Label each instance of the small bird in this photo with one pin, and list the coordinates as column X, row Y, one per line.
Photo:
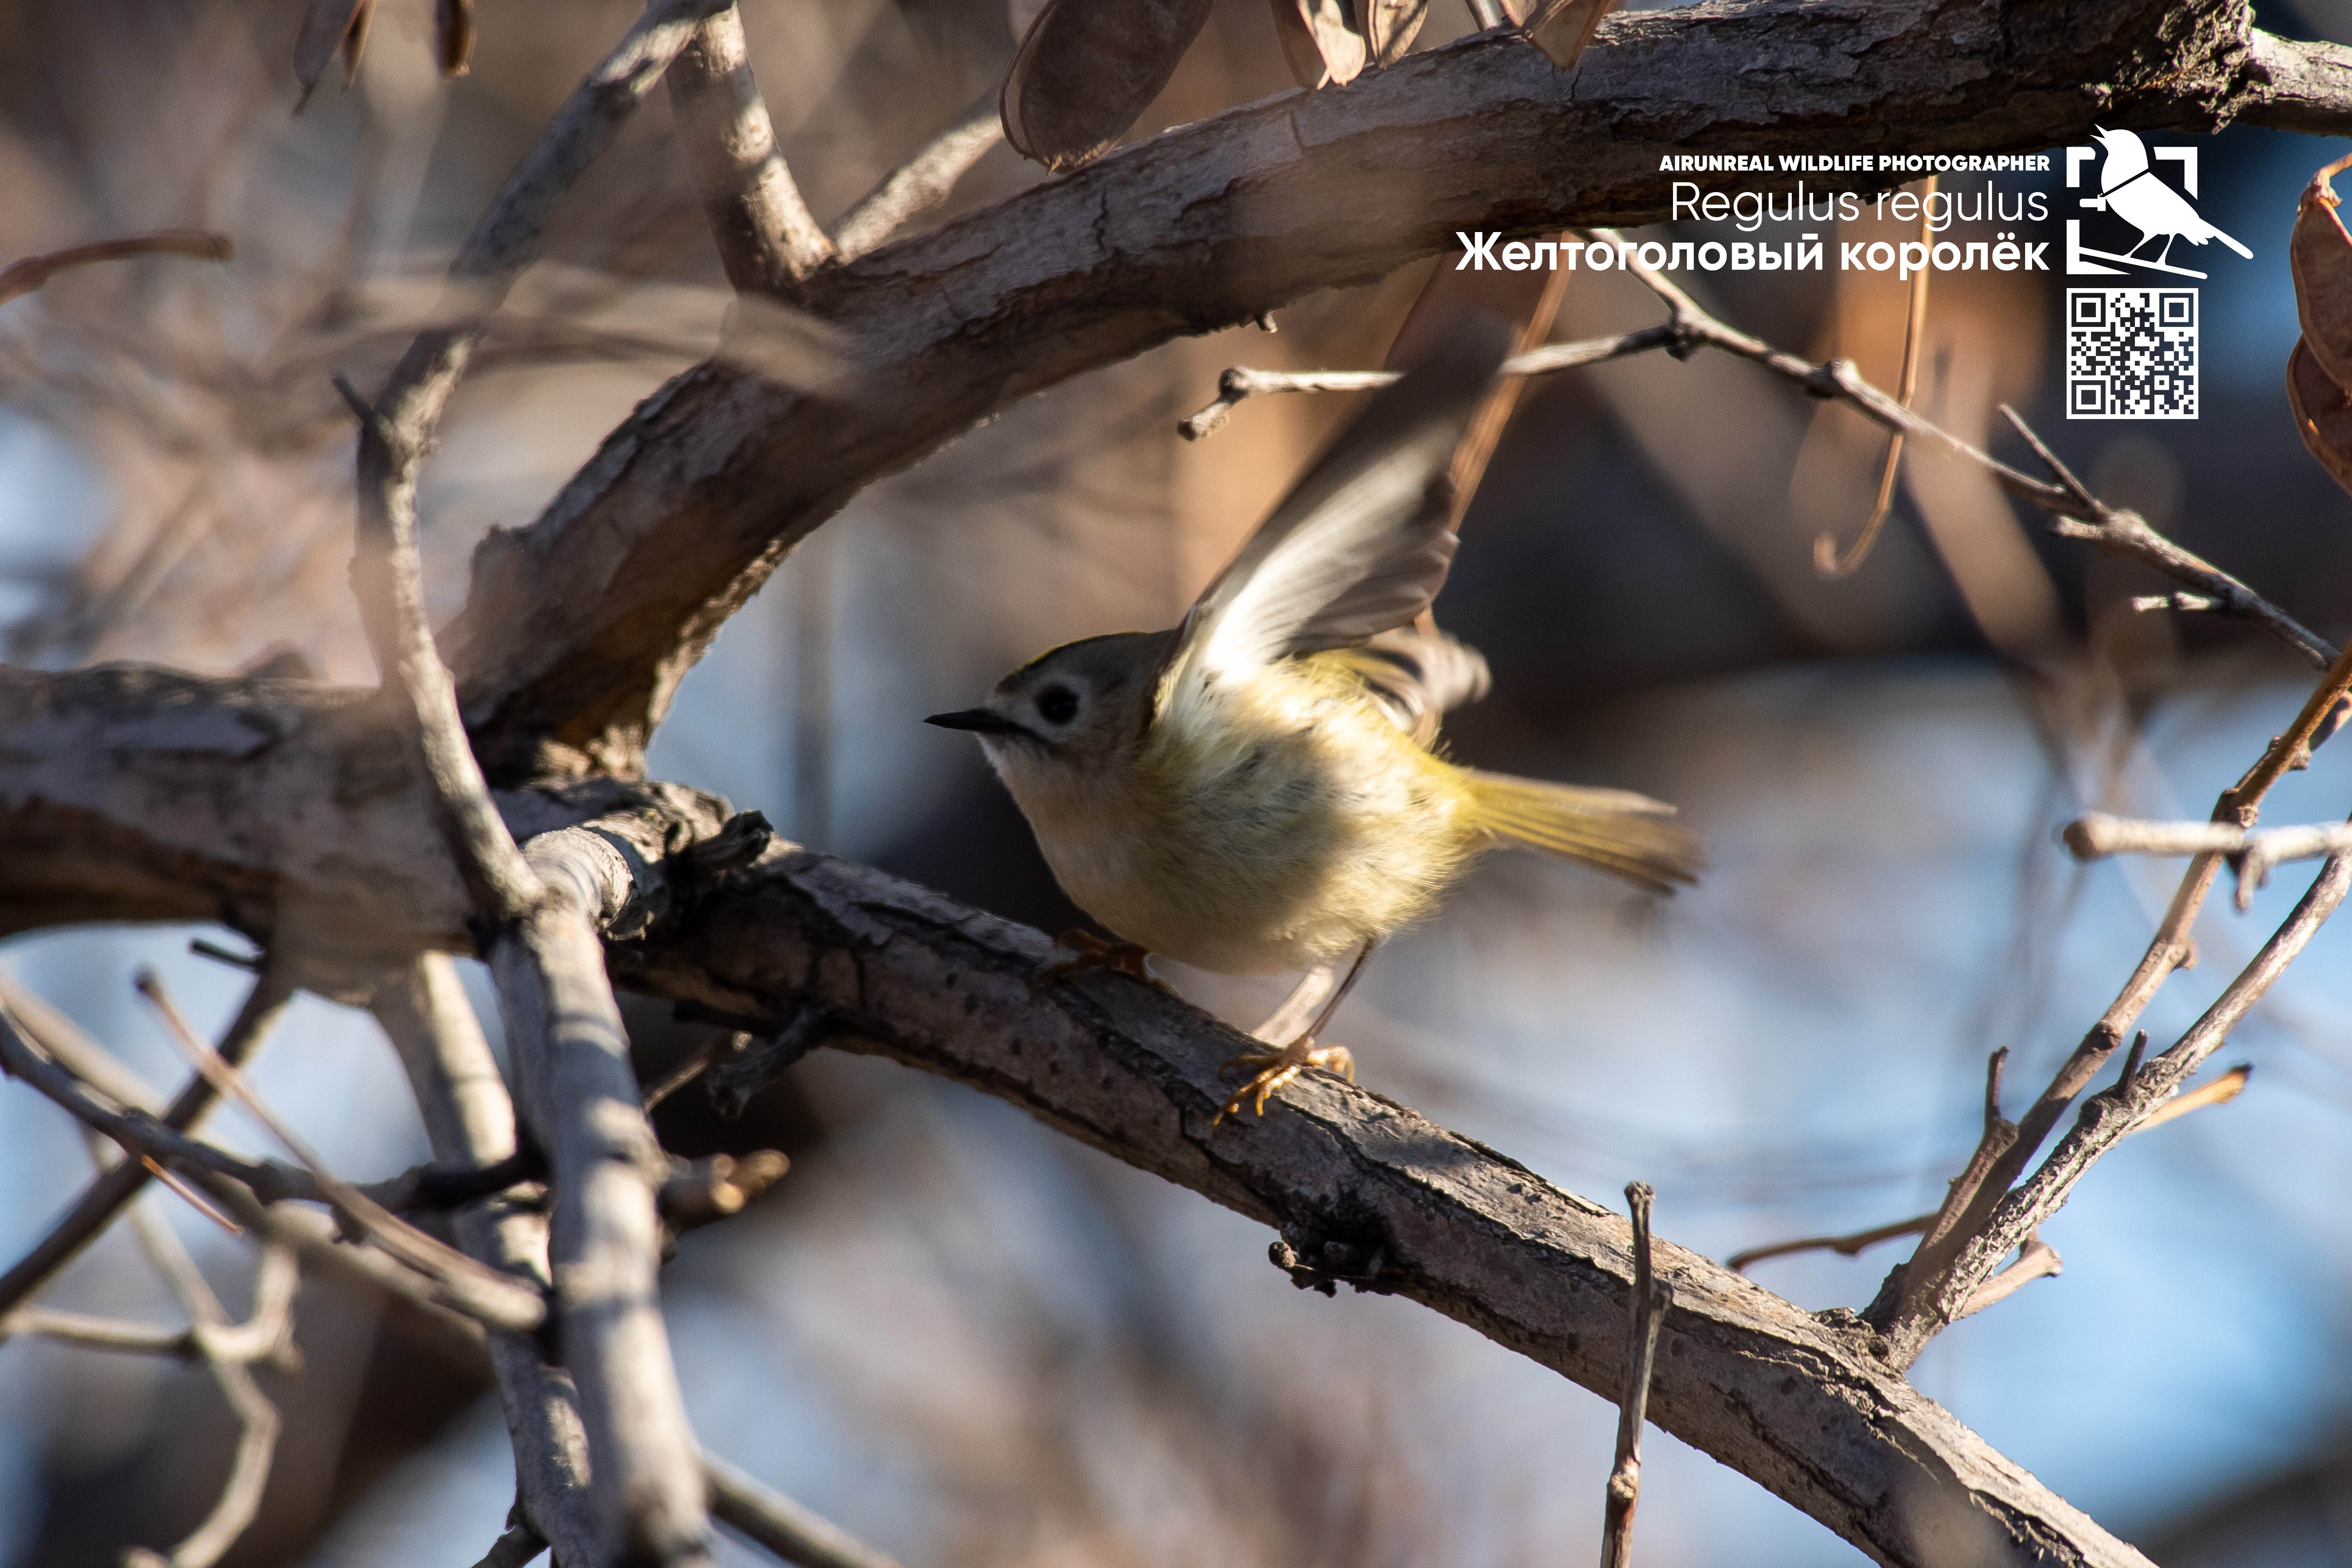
column 1259, row 790
column 2129, row 188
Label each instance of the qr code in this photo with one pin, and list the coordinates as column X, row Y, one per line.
column 2131, row 353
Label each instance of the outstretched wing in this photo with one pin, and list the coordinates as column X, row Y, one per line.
column 1361, row 544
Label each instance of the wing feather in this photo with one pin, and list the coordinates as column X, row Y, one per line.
column 1362, row 543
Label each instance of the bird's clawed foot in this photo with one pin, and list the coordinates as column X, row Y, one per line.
column 1094, row 952
column 1271, row 1069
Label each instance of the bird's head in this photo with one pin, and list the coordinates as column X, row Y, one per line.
column 1070, row 711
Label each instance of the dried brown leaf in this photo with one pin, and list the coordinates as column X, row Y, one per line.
column 453, row 36
column 2320, row 256
column 2323, row 412
column 1087, row 69
column 325, row 27
column 1318, row 41
column 1560, row 29
column 1390, row 27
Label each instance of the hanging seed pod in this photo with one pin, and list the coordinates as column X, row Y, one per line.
column 1390, row 27
column 1087, row 69
column 1320, row 46
column 2323, row 412
column 1560, row 29
column 2320, row 256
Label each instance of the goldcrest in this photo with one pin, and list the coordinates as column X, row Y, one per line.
column 1258, row 789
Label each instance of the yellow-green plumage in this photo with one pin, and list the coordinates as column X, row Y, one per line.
column 1282, row 819
column 1257, row 789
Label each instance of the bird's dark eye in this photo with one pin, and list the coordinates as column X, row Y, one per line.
column 1057, row 704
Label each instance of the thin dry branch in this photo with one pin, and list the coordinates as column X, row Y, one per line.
column 1652, row 1296
column 767, row 241
column 2074, row 512
column 2220, row 1091
column 2109, row 1117
column 922, row 182
column 24, row 276
column 273, row 1291
column 454, row 1280
column 2096, row 835
column 469, row 1120
column 1917, row 1298
column 105, row 1197
column 1240, row 382
column 1826, row 561
column 771, row 1520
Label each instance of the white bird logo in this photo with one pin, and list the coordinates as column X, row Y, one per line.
column 2130, row 190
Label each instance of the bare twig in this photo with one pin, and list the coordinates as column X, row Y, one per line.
column 717, row 1047
column 716, row 1187
column 517, row 1545
column 2096, row 835
column 1652, row 1296
column 1240, row 382
column 106, row 1195
column 2109, row 1117
column 1826, row 561
column 470, row 1119
column 2074, row 512
column 922, row 182
column 24, row 276
column 458, row 1281
column 1906, row 1299
column 2036, row 1260
column 270, row 1325
column 2186, row 602
column 570, row 1050
column 767, row 241
column 2220, row 1091
column 775, row 1522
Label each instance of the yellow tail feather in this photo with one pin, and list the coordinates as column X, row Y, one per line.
column 1614, row 830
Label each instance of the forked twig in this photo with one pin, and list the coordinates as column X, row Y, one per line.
column 106, row 1195
column 1652, row 1296
column 1826, row 560
column 258, row 1422
column 2095, row 836
column 2220, row 1091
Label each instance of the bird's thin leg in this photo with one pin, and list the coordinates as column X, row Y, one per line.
column 1271, row 1069
column 1290, row 1020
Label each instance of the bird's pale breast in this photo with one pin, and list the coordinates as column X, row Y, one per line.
column 1287, row 823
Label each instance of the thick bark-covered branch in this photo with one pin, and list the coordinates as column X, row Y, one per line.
column 580, row 624
column 1359, row 1188
column 1365, row 1191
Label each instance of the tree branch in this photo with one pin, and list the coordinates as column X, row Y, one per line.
column 1370, row 1190
column 112, row 1190
column 1915, row 1299
column 767, row 241
column 468, row 1119
column 922, row 182
column 579, row 626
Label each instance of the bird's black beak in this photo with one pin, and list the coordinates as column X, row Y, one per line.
column 978, row 720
